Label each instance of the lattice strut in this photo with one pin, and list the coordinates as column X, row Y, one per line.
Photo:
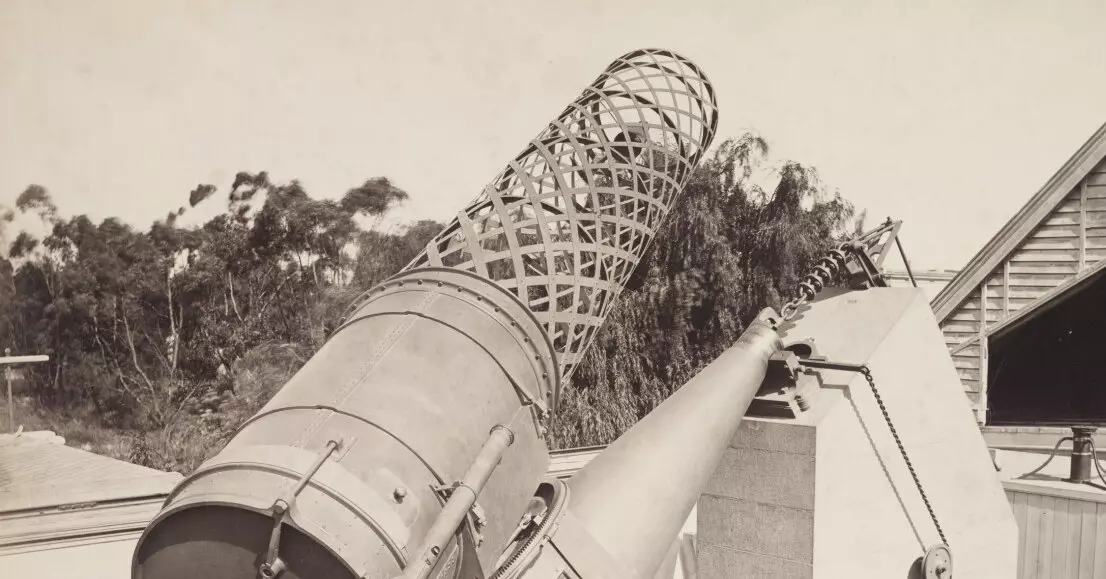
column 566, row 222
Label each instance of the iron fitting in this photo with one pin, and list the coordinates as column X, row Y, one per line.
column 502, row 428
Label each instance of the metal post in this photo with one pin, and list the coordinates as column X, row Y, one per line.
column 905, row 261
column 8, row 377
column 463, row 497
column 1081, row 455
column 8, row 361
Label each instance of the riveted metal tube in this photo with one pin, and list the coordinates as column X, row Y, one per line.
column 460, row 502
column 410, row 383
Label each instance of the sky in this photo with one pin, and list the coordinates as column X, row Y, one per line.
column 948, row 115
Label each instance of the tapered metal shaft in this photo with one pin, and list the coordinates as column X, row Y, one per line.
column 636, row 495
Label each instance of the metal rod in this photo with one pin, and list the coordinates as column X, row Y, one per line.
column 8, row 377
column 331, row 446
column 827, row 365
column 905, row 261
column 8, row 360
column 457, row 507
column 11, row 407
column 273, row 565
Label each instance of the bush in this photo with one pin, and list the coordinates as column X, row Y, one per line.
column 194, row 437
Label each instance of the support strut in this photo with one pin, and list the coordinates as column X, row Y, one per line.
column 273, row 565
column 460, row 502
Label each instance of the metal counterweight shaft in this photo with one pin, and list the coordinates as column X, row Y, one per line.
column 625, row 506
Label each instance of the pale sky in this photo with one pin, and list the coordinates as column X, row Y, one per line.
column 949, row 115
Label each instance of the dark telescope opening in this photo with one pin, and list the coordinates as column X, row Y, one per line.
column 1051, row 369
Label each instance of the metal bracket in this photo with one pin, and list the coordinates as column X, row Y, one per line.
column 274, row 566
column 784, row 365
column 476, row 519
column 788, row 390
column 868, row 251
column 860, row 271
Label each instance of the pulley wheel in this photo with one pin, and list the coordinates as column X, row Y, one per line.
column 937, row 563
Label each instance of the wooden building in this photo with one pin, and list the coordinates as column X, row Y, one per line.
column 1024, row 319
column 931, row 281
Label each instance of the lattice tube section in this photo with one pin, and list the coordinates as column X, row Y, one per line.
column 566, row 222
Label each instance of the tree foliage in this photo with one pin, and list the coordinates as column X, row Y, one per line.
column 726, row 251
column 146, row 325
column 176, row 334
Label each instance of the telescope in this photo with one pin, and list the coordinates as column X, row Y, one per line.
column 413, row 444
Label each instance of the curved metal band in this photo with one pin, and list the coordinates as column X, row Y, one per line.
column 388, row 531
column 510, row 314
column 362, row 419
column 526, row 396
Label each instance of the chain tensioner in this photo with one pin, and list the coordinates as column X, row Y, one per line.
column 827, row 272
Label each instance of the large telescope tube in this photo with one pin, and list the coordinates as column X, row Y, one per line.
column 429, row 403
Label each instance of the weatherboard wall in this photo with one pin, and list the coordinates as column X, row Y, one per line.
column 1062, row 248
column 1061, row 534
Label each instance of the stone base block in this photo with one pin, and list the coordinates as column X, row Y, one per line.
column 827, row 495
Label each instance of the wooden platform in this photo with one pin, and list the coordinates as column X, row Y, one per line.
column 66, row 512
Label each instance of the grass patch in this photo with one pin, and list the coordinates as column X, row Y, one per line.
column 188, row 440
column 80, row 428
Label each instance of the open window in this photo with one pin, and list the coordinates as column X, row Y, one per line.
column 1050, row 369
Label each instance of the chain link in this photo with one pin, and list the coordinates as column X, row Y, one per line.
column 826, row 273
column 902, row 450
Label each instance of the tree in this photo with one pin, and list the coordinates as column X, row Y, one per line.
column 727, row 251
column 147, row 325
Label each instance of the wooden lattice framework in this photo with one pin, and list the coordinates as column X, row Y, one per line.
column 566, row 222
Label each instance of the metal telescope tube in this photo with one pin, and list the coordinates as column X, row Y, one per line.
column 626, row 506
column 479, row 330
column 411, row 384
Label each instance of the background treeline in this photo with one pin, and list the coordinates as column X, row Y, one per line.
column 163, row 341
